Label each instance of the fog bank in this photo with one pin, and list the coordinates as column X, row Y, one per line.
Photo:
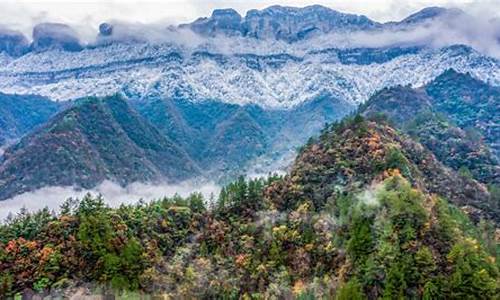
column 114, row 195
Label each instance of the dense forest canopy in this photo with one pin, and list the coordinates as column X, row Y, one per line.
column 328, row 229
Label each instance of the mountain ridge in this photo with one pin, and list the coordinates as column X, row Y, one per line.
column 92, row 141
column 227, row 140
column 270, row 81
column 212, row 139
column 310, row 19
column 456, row 135
column 19, row 114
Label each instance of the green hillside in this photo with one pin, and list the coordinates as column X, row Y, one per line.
column 364, row 213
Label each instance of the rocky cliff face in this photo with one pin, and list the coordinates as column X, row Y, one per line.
column 50, row 36
column 274, row 57
column 13, row 43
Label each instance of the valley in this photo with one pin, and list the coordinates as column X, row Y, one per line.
column 287, row 153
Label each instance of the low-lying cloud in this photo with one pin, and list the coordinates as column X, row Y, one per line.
column 114, row 195
column 478, row 27
column 482, row 34
column 473, row 28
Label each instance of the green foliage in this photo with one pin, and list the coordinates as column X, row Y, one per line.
column 6, row 284
column 196, row 203
column 352, row 290
column 426, row 266
column 431, row 291
column 404, row 206
column 494, row 190
column 465, row 172
column 107, row 243
column 391, row 260
column 395, row 159
column 361, row 241
column 389, row 241
column 395, row 283
column 473, row 274
column 241, row 197
column 25, row 224
column 41, row 284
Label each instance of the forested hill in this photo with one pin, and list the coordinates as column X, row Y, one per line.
column 454, row 116
column 365, row 212
column 93, row 140
column 150, row 141
column 19, row 114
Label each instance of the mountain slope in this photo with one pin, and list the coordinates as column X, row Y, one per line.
column 237, row 140
column 456, row 132
column 191, row 125
column 94, row 140
column 469, row 102
column 227, row 139
column 355, row 152
column 21, row 113
column 245, row 75
column 355, row 219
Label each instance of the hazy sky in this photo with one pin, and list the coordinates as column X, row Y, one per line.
column 21, row 14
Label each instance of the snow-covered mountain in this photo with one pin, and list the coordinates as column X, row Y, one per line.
column 234, row 94
column 275, row 57
column 272, row 80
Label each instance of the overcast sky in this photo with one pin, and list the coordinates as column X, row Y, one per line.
column 21, row 14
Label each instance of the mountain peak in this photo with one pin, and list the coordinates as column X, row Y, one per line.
column 105, row 29
column 291, row 10
column 225, row 13
column 13, row 42
column 48, row 36
column 431, row 13
column 223, row 21
column 441, row 115
column 94, row 140
column 280, row 22
column 370, row 148
column 452, row 73
column 399, row 103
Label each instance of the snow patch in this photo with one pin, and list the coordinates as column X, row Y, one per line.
column 280, row 80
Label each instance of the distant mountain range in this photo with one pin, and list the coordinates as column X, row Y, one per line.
column 229, row 95
column 275, row 57
column 94, row 140
column 290, row 24
column 145, row 140
column 145, row 71
column 223, row 138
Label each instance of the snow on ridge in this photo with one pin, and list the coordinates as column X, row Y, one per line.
column 278, row 80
